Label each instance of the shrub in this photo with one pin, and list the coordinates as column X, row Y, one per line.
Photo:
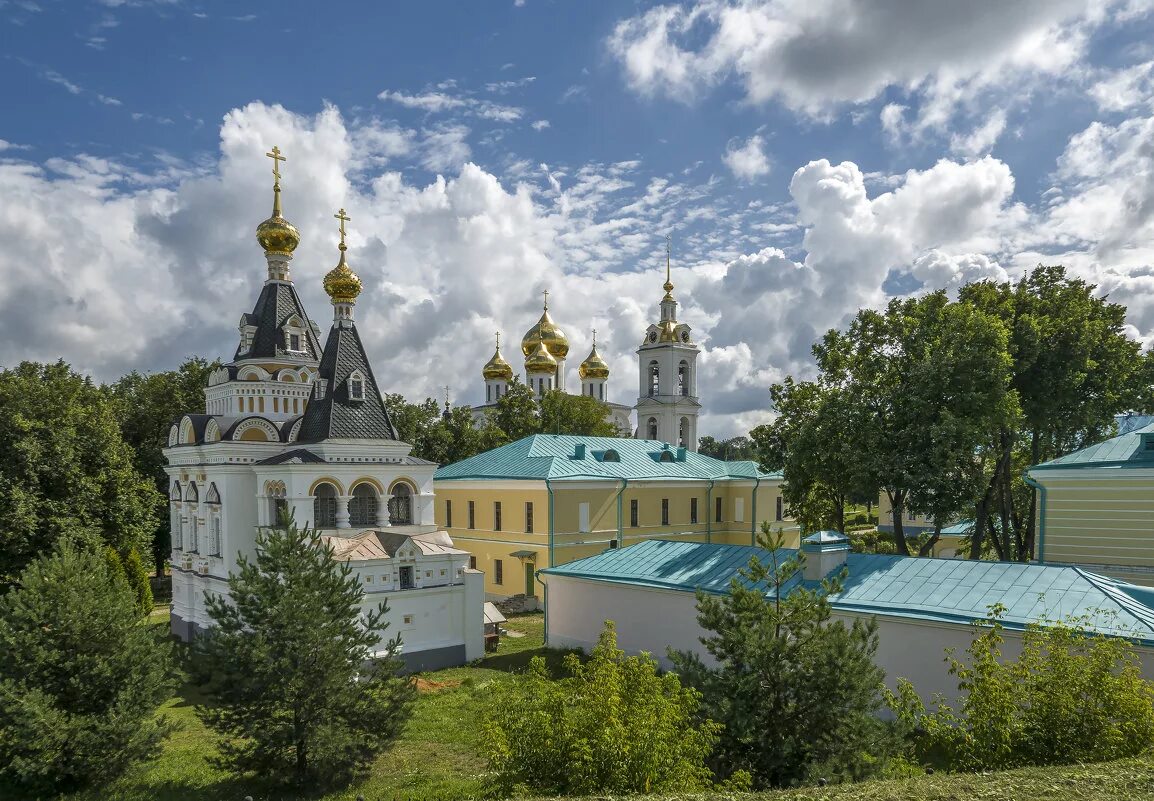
column 81, row 675
column 614, row 725
column 1073, row 695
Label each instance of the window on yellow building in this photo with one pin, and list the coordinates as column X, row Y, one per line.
column 472, row 514
column 717, row 511
column 692, row 510
column 472, row 563
column 583, row 517
column 633, row 513
column 665, row 511
column 496, row 515
column 780, row 510
column 448, row 514
column 528, row 517
column 498, row 572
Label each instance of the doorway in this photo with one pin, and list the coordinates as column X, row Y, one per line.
column 407, row 582
column 529, row 588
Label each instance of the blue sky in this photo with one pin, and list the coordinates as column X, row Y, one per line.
column 807, row 159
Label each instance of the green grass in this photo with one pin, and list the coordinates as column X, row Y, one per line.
column 439, row 755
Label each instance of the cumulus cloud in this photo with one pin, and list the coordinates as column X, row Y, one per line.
column 439, row 102
column 816, row 55
column 747, row 161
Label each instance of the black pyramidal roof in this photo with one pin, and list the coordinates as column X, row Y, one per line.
column 278, row 302
column 336, row 415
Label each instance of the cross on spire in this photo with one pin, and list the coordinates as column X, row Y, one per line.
column 546, row 291
column 446, row 396
column 277, row 158
column 668, row 280
column 595, row 337
column 344, row 218
column 498, row 340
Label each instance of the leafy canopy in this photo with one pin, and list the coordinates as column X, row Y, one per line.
column 300, row 689
column 81, row 675
column 796, row 692
column 613, row 725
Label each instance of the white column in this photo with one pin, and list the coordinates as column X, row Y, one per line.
column 343, row 510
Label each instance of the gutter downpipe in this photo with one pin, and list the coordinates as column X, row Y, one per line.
column 620, row 525
column 549, row 488
column 753, row 523
column 1041, row 514
column 709, row 512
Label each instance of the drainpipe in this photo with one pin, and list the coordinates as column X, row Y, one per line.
column 1041, row 514
column 620, row 525
column 549, row 487
column 753, row 523
column 709, row 512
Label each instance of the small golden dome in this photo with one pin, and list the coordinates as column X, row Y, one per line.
column 341, row 283
column 278, row 235
column 593, row 366
column 497, row 368
column 540, row 360
column 546, row 331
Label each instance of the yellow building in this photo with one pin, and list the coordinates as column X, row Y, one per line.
column 546, row 500
column 914, row 525
column 1096, row 507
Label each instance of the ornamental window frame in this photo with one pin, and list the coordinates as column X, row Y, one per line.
column 357, row 386
column 294, row 327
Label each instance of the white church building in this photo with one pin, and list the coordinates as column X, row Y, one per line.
column 667, row 404
column 295, row 426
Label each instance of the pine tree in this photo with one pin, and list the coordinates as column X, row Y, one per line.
column 301, row 692
column 81, row 675
column 796, row 692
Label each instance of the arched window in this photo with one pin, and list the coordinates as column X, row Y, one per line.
column 275, row 492
column 683, row 378
column 325, row 506
column 356, row 386
column 213, row 501
column 401, row 506
column 363, row 506
column 652, row 428
column 654, row 379
column 601, row 391
column 666, row 456
column 611, row 455
column 683, row 431
column 192, row 495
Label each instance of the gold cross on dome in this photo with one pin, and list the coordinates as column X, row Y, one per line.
column 594, row 337
column 546, row 291
column 446, row 396
column 344, row 218
column 277, row 158
column 498, row 340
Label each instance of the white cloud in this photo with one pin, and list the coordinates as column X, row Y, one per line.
column 817, row 55
column 440, row 102
column 747, row 161
column 1125, row 88
column 980, row 140
column 540, row 125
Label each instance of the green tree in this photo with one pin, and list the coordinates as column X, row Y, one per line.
column 796, row 692
column 562, row 413
column 614, row 725
column 299, row 686
column 812, row 442
column 65, row 469
column 441, row 437
column 1073, row 368
column 146, row 405
column 732, row 449
column 517, row 413
column 81, row 675
column 924, row 382
column 1073, row 695
column 412, row 420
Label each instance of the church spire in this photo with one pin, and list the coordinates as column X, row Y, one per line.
column 341, row 283
column 668, row 304
column 276, row 235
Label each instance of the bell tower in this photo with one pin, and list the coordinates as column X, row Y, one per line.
column 667, row 403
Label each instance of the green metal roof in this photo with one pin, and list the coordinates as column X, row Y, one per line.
column 943, row 590
column 1124, row 450
column 553, row 456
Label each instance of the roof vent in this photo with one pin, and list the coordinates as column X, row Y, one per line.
column 681, row 453
column 579, row 450
column 825, row 552
column 665, row 456
column 611, row 455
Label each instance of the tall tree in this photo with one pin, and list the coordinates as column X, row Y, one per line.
column 796, row 692
column 732, row 449
column 301, row 685
column 811, row 441
column 517, row 412
column 562, row 413
column 81, row 674
column 146, row 404
column 1073, row 369
column 65, row 469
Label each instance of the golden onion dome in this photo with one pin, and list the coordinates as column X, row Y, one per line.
column 276, row 234
column 593, row 366
column 341, row 283
column 546, row 331
column 540, row 360
column 497, row 368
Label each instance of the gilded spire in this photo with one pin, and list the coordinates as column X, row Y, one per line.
column 276, row 234
column 594, row 366
column 341, row 283
column 497, row 368
column 668, row 287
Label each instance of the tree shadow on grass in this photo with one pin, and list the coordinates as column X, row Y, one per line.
column 518, row 661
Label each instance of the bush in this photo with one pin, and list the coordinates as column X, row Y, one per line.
column 1072, row 696
column 81, row 675
column 613, row 726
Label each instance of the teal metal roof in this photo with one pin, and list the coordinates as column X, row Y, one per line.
column 943, row 590
column 1124, row 450
column 553, row 456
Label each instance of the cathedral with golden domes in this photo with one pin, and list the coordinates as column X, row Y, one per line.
column 667, row 404
column 293, row 427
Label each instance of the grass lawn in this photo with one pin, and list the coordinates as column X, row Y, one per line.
column 439, row 756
